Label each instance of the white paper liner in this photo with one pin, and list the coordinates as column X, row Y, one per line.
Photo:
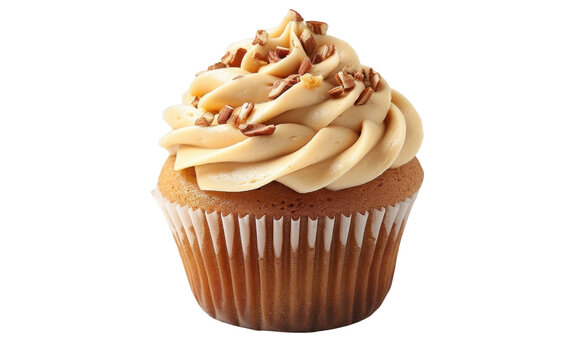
column 288, row 274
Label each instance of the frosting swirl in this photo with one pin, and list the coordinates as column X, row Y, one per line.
column 338, row 125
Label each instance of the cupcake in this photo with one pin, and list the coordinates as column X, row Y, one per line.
column 291, row 175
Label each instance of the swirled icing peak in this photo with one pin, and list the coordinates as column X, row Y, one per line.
column 292, row 105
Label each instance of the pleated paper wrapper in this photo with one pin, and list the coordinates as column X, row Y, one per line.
column 287, row 274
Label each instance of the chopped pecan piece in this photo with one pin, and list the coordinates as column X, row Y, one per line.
column 292, row 79
column 195, row 101
column 260, row 58
column 218, row 65
column 256, row 129
column 246, row 111
column 359, row 76
column 307, row 41
column 336, row 91
column 326, row 51
column 282, row 52
column 234, row 58
column 344, row 79
column 234, row 119
column 278, row 88
column 277, row 54
column 305, row 66
column 375, row 80
column 295, row 15
column 317, row 27
column 205, row 120
column 317, row 58
column 364, row 96
column 274, row 57
column 282, row 85
column 225, row 114
column 261, row 38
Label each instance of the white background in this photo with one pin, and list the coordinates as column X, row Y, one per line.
column 88, row 268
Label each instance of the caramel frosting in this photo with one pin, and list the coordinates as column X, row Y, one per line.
column 295, row 106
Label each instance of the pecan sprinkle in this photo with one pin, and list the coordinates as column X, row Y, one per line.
column 292, row 79
column 364, row 96
column 336, row 91
column 323, row 53
column 256, row 129
column 327, row 50
column 225, row 114
column 278, row 88
column 195, row 101
column 283, row 85
column 205, row 120
column 295, row 15
column 282, row 52
column 316, row 59
column 218, row 65
column 307, row 41
column 317, row 27
column 246, row 111
column 261, row 38
column 359, row 76
column 274, row 57
column 375, row 80
column 260, row 58
column 305, row 66
column 345, row 79
column 234, row 119
column 234, row 58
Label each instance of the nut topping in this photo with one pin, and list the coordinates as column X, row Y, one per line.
column 295, row 15
column 274, row 57
column 282, row 85
column 292, row 79
column 323, row 53
column 260, row 58
column 195, row 101
column 344, row 79
column 336, row 91
column 225, row 114
column 375, row 79
column 234, row 119
column 205, row 120
column 305, row 66
column 326, row 51
column 316, row 59
column 364, row 96
column 282, row 52
column 218, row 65
column 234, row 58
column 261, row 38
column 308, row 42
column 317, row 27
column 246, row 111
column 256, row 129
column 278, row 87
column 359, row 76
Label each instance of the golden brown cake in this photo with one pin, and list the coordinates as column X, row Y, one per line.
column 291, row 176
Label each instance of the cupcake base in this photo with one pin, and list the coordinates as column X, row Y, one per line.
column 288, row 274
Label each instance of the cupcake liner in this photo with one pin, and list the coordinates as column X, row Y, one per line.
column 288, row 274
